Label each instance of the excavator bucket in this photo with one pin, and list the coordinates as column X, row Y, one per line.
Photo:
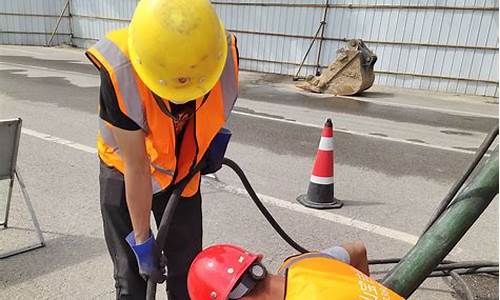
column 350, row 73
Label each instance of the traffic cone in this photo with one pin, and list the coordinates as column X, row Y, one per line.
column 321, row 191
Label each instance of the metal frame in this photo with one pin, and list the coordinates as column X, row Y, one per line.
column 355, row 6
column 16, row 14
column 35, row 32
column 343, row 39
column 66, row 6
column 13, row 175
column 376, row 72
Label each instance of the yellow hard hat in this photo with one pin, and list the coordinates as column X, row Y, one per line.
column 177, row 47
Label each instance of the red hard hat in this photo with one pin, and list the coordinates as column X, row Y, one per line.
column 216, row 270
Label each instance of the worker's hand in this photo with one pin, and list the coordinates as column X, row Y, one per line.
column 148, row 256
column 215, row 152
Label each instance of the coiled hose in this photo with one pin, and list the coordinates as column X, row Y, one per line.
column 446, row 268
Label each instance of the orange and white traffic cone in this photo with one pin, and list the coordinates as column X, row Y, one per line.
column 321, row 191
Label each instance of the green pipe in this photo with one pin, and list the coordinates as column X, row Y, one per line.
column 435, row 244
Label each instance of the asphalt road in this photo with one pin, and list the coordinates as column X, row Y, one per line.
column 396, row 157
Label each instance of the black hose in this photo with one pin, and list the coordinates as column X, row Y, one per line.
column 447, row 268
column 462, row 268
column 467, row 292
column 482, row 270
column 151, row 290
column 388, row 261
column 456, row 187
column 231, row 164
column 443, row 269
column 166, row 221
column 485, row 145
column 466, row 265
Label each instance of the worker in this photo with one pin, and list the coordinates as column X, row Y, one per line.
column 222, row 272
column 168, row 84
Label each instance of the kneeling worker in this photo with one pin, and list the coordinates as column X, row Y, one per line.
column 223, row 272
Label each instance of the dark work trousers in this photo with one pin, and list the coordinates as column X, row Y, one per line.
column 184, row 239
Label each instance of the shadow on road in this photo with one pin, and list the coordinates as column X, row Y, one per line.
column 60, row 252
column 360, row 203
column 378, row 95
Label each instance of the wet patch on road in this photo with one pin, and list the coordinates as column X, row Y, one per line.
column 63, row 65
column 466, row 148
column 392, row 158
column 455, row 132
column 378, row 134
column 56, row 90
column 416, row 141
column 253, row 112
column 268, row 93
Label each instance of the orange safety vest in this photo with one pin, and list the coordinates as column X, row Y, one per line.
column 317, row 276
column 138, row 103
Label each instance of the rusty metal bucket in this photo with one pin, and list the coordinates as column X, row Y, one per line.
column 350, row 73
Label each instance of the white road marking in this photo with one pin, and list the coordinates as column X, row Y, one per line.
column 321, row 214
column 328, row 216
column 353, row 132
column 57, row 140
column 335, row 218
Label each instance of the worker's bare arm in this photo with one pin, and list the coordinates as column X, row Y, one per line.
column 137, row 179
column 358, row 256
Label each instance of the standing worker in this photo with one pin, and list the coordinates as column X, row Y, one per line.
column 168, row 84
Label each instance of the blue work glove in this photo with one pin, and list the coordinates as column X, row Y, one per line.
column 216, row 151
column 149, row 259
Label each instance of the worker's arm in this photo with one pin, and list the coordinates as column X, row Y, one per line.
column 137, row 180
column 138, row 192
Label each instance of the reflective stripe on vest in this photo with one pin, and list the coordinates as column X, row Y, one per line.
column 125, row 77
column 229, row 79
column 107, row 136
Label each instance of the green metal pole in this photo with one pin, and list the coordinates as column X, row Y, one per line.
column 435, row 244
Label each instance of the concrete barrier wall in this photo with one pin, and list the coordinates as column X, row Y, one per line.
column 440, row 45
